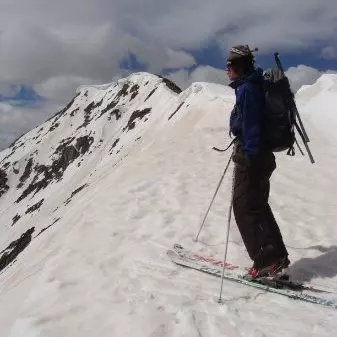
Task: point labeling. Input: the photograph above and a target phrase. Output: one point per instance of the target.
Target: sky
(47, 49)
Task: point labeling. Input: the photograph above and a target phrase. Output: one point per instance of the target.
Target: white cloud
(7, 90)
(14, 121)
(185, 78)
(61, 88)
(304, 75)
(298, 76)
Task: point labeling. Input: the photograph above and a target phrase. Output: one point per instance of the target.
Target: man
(254, 165)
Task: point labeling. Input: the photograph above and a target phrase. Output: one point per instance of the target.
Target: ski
(187, 254)
(280, 281)
(263, 284)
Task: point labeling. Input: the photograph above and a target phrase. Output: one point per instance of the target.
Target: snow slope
(101, 191)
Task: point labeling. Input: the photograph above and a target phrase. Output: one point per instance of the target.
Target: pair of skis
(281, 286)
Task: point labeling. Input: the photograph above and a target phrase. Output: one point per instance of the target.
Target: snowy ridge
(91, 199)
(101, 123)
(319, 102)
(326, 82)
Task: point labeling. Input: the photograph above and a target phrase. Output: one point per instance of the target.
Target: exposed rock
(16, 218)
(123, 92)
(53, 127)
(3, 182)
(114, 144)
(44, 229)
(150, 94)
(134, 91)
(74, 193)
(171, 85)
(5, 167)
(60, 113)
(10, 253)
(64, 143)
(134, 88)
(117, 113)
(138, 114)
(52, 224)
(88, 112)
(83, 144)
(176, 110)
(13, 143)
(65, 154)
(26, 173)
(110, 106)
(74, 111)
(35, 207)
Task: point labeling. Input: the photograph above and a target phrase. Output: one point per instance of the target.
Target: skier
(254, 165)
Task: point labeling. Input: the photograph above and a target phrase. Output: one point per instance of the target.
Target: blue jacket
(246, 117)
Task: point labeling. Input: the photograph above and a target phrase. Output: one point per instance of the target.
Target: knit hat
(242, 54)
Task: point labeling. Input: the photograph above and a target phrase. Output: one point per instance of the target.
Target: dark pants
(257, 225)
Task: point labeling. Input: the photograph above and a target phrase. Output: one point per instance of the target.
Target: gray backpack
(279, 117)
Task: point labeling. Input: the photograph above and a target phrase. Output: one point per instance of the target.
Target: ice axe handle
(278, 61)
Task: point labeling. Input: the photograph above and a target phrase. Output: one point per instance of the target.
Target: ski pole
(216, 192)
(312, 160)
(227, 236)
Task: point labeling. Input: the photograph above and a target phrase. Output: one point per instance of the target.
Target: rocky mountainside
(44, 169)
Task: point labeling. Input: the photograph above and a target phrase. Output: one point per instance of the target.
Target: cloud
(88, 38)
(298, 76)
(61, 88)
(7, 90)
(55, 48)
(304, 75)
(329, 52)
(185, 78)
(14, 121)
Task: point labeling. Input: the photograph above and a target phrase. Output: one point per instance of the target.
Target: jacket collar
(255, 76)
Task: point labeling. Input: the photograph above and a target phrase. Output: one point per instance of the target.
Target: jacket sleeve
(252, 105)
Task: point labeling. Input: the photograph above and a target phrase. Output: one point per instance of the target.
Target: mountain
(91, 199)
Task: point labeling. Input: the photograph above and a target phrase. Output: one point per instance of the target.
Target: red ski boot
(268, 271)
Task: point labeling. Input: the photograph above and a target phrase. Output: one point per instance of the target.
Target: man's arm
(253, 104)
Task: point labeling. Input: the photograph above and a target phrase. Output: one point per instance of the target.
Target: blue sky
(21, 95)
(213, 55)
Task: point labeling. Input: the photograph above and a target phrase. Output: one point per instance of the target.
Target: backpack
(279, 119)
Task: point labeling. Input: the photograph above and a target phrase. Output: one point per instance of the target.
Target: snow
(102, 269)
